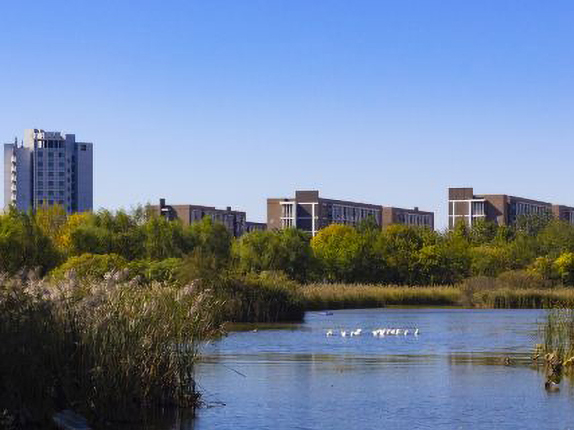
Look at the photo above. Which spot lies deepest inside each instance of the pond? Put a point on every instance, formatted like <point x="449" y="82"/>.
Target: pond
<point x="466" y="369"/>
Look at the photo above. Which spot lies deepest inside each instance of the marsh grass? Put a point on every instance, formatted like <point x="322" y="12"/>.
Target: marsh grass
<point x="267" y="297"/>
<point x="477" y="292"/>
<point x="558" y="335"/>
<point x="109" y="351"/>
<point x="341" y="296"/>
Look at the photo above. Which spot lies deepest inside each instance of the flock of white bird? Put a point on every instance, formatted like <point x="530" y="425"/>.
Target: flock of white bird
<point x="381" y="332"/>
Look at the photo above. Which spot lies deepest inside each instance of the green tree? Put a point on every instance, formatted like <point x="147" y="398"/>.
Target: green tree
<point x="565" y="268"/>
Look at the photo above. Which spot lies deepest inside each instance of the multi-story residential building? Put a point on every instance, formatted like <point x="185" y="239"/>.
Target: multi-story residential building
<point x="309" y="212"/>
<point x="501" y="209"/>
<point x="235" y="221"/>
<point x="48" y="168"/>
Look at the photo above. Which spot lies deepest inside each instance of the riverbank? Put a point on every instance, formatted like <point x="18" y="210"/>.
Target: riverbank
<point x="349" y="296"/>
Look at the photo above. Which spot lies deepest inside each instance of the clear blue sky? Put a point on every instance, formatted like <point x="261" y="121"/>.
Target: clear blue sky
<point x="230" y="102"/>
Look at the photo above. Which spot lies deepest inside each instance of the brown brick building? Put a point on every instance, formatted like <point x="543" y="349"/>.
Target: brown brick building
<point x="235" y="221"/>
<point x="309" y="212"/>
<point x="501" y="209"/>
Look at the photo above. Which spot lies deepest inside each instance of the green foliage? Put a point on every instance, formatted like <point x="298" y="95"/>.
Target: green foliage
<point x="482" y="232"/>
<point x="340" y="250"/>
<point x="286" y="250"/>
<point x="565" y="268"/>
<point x="533" y="224"/>
<point x="489" y="260"/>
<point x="24" y="245"/>
<point x="149" y="271"/>
<point x="90" y="267"/>
<point x="211" y="238"/>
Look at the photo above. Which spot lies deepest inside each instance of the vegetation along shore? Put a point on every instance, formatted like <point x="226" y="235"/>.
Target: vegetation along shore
<point x="104" y="312"/>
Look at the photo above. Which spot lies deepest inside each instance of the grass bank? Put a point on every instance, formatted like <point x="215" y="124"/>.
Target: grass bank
<point x="470" y="295"/>
<point x="345" y="296"/>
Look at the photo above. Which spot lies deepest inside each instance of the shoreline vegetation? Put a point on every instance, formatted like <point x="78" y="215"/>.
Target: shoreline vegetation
<point x="102" y="313"/>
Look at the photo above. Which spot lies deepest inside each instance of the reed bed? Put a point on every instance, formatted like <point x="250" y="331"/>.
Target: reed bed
<point x="558" y="336"/>
<point x="342" y="296"/>
<point x="506" y="298"/>
<point x="470" y="295"/>
<point x="109" y="351"/>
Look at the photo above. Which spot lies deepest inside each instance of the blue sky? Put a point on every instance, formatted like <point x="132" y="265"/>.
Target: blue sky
<point x="230" y="102"/>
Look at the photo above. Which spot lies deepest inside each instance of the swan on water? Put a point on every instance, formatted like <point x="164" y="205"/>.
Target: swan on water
<point x="329" y="332"/>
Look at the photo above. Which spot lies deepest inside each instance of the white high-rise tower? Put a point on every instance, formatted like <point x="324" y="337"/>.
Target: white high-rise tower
<point x="48" y="168"/>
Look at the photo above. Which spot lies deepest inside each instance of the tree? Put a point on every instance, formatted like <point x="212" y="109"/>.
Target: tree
<point x="338" y="250"/>
<point x="565" y="268"/>
<point x="532" y="224"/>
<point x="399" y="245"/>
<point x="286" y="250"/>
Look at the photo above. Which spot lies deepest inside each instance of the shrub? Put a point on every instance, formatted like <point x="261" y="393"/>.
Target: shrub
<point x="90" y="267"/>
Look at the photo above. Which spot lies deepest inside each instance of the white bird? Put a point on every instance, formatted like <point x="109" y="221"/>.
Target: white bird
<point x="375" y="332"/>
<point x="417" y="332"/>
<point x="329" y="332"/>
<point x="406" y="332"/>
<point x="357" y="332"/>
<point x="398" y="331"/>
<point x="343" y="333"/>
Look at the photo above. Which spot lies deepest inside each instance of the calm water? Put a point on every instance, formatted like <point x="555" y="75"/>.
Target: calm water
<point x="451" y="376"/>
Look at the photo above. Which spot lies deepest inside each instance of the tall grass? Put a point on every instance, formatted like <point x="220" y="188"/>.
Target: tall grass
<point x="267" y="297"/>
<point x="341" y="296"/>
<point x="477" y="292"/>
<point x="110" y="350"/>
<point x="558" y="336"/>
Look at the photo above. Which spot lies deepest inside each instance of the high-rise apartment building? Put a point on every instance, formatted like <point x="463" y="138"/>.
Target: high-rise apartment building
<point x="48" y="168"/>
<point x="502" y="209"/>
<point x="309" y="212"/>
<point x="235" y="221"/>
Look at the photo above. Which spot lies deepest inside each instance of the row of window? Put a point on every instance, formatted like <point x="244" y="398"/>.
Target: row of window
<point x="56" y="144"/>
<point x="351" y="213"/>
<point x="61" y="164"/>
<point x="51" y="183"/>
<point x="51" y="174"/>
<point x="51" y="154"/>
<point x="414" y="219"/>
<point x="41" y="193"/>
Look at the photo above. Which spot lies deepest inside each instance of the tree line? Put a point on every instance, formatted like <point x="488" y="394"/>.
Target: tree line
<point x="537" y="248"/>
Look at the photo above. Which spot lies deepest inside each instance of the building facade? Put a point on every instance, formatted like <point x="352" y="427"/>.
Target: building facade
<point x="48" y="168"/>
<point x="235" y="221"/>
<point x="309" y="212"/>
<point x="502" y="209"/>
<point x="414" y="217"/>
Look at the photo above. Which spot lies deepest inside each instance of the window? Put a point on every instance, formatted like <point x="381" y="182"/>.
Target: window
<point x="40" y="202"/>
<point x="83" y="147"/>
<point x="61" y="183"/>
<point x="50" y="154"/>
<point x="40" y="164"/>
<point x="50" y="165"/>
<point x="51" y="174"/>
<point x="50" y="183"/>
<point x="40" y="184"/>
<point x="60" y="155"/>
<point x="40" y="174"/>
<point x="40" y="154"/>
<point x="61" y="174"/>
